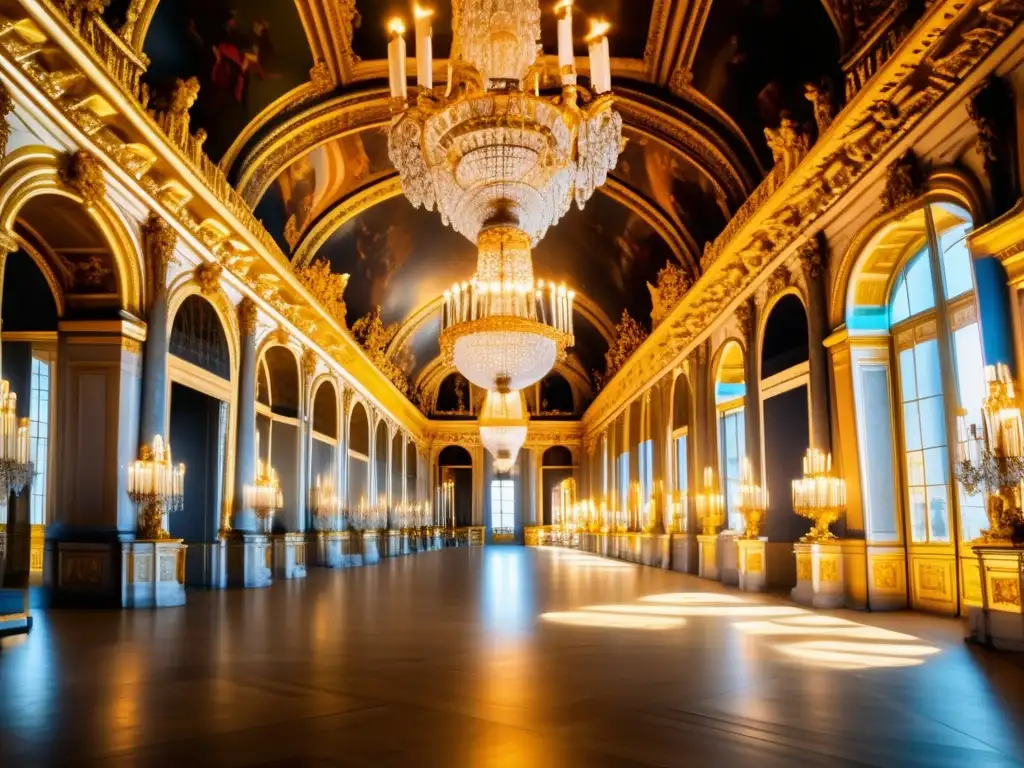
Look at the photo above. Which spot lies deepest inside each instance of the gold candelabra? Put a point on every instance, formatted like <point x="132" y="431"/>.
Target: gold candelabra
<point x="446" y="503"/>
<point x="818" y="495"/>
<point x="710" y="505"/>
<point x="992" y="462"/>
<point x="264" y="495"/>
<point x="325" y="505"/>
<point x="16" y="470"/>
<point x="753" y="503"/>
<point x="679" y="501"/>
<point x="157" y="486"/>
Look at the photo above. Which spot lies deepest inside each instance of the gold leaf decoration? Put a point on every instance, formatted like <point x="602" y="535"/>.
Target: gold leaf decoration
<point x="327" y="287"/>
<point x="673" y="283"/>
<point x="374" y="337"/>
<point x="629" y="335"/>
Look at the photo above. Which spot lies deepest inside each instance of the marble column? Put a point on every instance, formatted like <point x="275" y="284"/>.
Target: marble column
<point x="746" y="315"/>
<point x="812" y="261"/>
<point x="160" y="241"/>
<point x="245" y="456"/>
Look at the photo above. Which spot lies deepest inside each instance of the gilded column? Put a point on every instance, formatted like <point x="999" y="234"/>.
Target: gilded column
<point x="159" y="240"/>
<point x="746" y="316"/>
<point x="308" y="364"/>
<point x="812" y="261"/>
<point x="245" y="458"/>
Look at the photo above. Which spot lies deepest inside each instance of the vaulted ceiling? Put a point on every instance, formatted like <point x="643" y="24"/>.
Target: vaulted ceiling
<point x="293" y="98"/>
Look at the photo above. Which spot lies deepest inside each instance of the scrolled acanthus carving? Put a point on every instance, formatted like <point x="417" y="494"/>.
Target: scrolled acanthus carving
<point x="629" y="335"/>
<point x="374" y="337"/>
<point x="903" y="183"/>
<point x="248" y="314"/>
<point x="159" y="240"/>
<point x="327" y="287"/>
<point x="208" y="275"/>
<point x="673" y="283"/>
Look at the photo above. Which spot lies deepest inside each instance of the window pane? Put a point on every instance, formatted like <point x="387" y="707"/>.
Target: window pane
<point x="926" y="359"/>
<point x="908" y="384"/>
<point x="919" y="283"/>
<point x="915" y="468"/>
<point x="972" y="515"/>
<point x="956" y="262"/>
<point x="970" y="371"/>
<point x="911" y="426"/>
<point x="935" y="466"/>
<point x="933" y="424"/>
<point x="938" y="512"/>
<point x="899" y="307"/>
<point x="918" y="528"/>
<point x="682" y="476"/>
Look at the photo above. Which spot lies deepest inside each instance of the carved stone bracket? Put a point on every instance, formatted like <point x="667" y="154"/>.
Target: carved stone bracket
<point x="903" y="182"/>
<point x="159" y="240"/>
<point x="208" y="275"/>
<point x="83" y="173"/>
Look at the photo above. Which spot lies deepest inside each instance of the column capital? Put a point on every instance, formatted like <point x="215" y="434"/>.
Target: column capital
<point x="812" y="258"/>
<point x="248" y="313"/>
<point x="7" y="244"/>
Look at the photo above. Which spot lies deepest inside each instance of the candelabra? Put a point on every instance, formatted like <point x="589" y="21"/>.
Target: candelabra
<point x="446" y="503"/>
<point x="710" y="505"/>
<point x="157" y="486"/>
<point x="992" y="461"/>
<point x="818" y="495"/>
<point x="753" y="503"/>
<point x="264" y="495"/>
<point x="16" y="470"/>
<point x="326" y="506"/>
<point x="679" y="503"/>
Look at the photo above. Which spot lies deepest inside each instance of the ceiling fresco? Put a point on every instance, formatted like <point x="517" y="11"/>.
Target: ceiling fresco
<point x="317" y="180"/>
<point x="739" y="67"/>
<point x="245" y="53"/>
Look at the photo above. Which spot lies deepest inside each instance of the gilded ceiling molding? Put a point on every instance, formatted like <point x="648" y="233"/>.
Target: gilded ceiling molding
<point x="682" y="244"/>
<point x="940" y="53"/>
<point x="318" y="235"/>
<point x="146" y="9"/>
<point x="304" y="133"/>
<point x="683" y="39"/>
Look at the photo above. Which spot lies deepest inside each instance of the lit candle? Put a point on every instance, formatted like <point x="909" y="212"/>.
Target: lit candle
<point x="396" y="58"/>
<point x="600" y="61"/>
<point x="566" y="59"/>
<point x="572" y="297"/>
<point x="424" y="48"/>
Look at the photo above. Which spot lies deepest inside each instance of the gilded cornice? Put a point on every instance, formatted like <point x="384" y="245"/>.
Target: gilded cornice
<point x="107" y="118"/>
<point x="539" y="434"/>
<point x="933" y="59"/>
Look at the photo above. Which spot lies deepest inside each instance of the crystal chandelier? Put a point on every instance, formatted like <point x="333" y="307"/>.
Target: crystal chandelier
<point x="503" y="421"/>
<point x="502" y="163"/>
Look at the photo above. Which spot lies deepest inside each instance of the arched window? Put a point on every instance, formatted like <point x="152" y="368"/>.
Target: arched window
<point x="680" y="433"/>
<point x="730" y="388"/>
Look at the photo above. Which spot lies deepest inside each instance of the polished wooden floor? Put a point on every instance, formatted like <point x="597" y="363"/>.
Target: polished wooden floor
<point x="503" y="657"/>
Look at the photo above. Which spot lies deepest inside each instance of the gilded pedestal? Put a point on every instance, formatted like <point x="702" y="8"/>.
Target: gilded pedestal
<point x="997" y="619"/>
<point x="819" y="574"/>
<point x="684" y="552"/>
<point x="330" y="548"/>
<point x="249" y="560"/>
<point x="153" y="573"/>
<point x="728" y="558"/>
<point x="751" y="559"/>
<point x="37" y="541"/>
<point x="707" y="561"/>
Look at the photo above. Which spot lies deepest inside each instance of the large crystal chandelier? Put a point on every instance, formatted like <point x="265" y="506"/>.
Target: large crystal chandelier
<point x="503" y="424"/>
<point x="502" y="163"/>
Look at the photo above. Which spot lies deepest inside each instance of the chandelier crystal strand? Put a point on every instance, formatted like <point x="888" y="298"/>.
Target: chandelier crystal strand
<point x="157" y="486"/>
<point x="16" y="470"/>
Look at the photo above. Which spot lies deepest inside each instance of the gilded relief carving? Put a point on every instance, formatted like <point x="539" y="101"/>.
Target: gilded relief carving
<point x="886" y="575"/>
<point x="803" y="568"/>
<point x="931" y="577"/>
<point x="1006" y="592"/>
<point x="83" y="173"/>
<point x="829" y="569"/>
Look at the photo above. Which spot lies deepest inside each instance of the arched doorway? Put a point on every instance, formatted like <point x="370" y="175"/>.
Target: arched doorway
<point x="358" y="459"/>
<point x="785" y="405"/>
<point x="282" y="448"/>
<point x="730" y="389"/>
<point x="397" y="474"/>
<point x="381" y="445"/>
<point x="198" y="427"/>
<point x="681" y="448"/>
<point x="323" y="453"/>
<point x="411" y="474"/>
<point x="455" y="464"/>
<point x="918" y="362"/>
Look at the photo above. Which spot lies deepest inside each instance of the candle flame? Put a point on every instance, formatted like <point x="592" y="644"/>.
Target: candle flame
<point x="419" y="12"/>
<point x="396" y="26"/>
<point x="598" y="29"/>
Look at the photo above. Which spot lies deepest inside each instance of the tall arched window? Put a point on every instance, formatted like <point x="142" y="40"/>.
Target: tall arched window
<point x="730" y="388"/>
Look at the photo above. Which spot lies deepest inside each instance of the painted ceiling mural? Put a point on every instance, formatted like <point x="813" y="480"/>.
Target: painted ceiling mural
<point x="314" y="182"/>
<point x="245" y="54"/>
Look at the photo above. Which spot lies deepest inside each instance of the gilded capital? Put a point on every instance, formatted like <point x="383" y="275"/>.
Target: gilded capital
<point x="83" y="173"/>
<point x="309" y="361"/>
<point x="248" y="313"/>
<point x="812" y="260"/>
<point x="745" y="318"/>
<point x="159" y="241"/>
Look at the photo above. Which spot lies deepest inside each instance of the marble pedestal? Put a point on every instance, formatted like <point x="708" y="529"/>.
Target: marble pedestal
<point x="728" y="558"/>
<point x="370" y="541"/>
<point x="436" y="539"/>
<point x="249" y="560"/>
<point x="751" y="557"/>
<point x="330" y="549"/>
<point x="392" y="544"/>
<point x="707" y="558"/>
<point x="153" y="573"/>
<point x="819" y="574"/>
<point x="289" y="555"/>
<point x="998" y="618"/>
<point x="405" y="544"/>
<point x="684" y="552"/>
